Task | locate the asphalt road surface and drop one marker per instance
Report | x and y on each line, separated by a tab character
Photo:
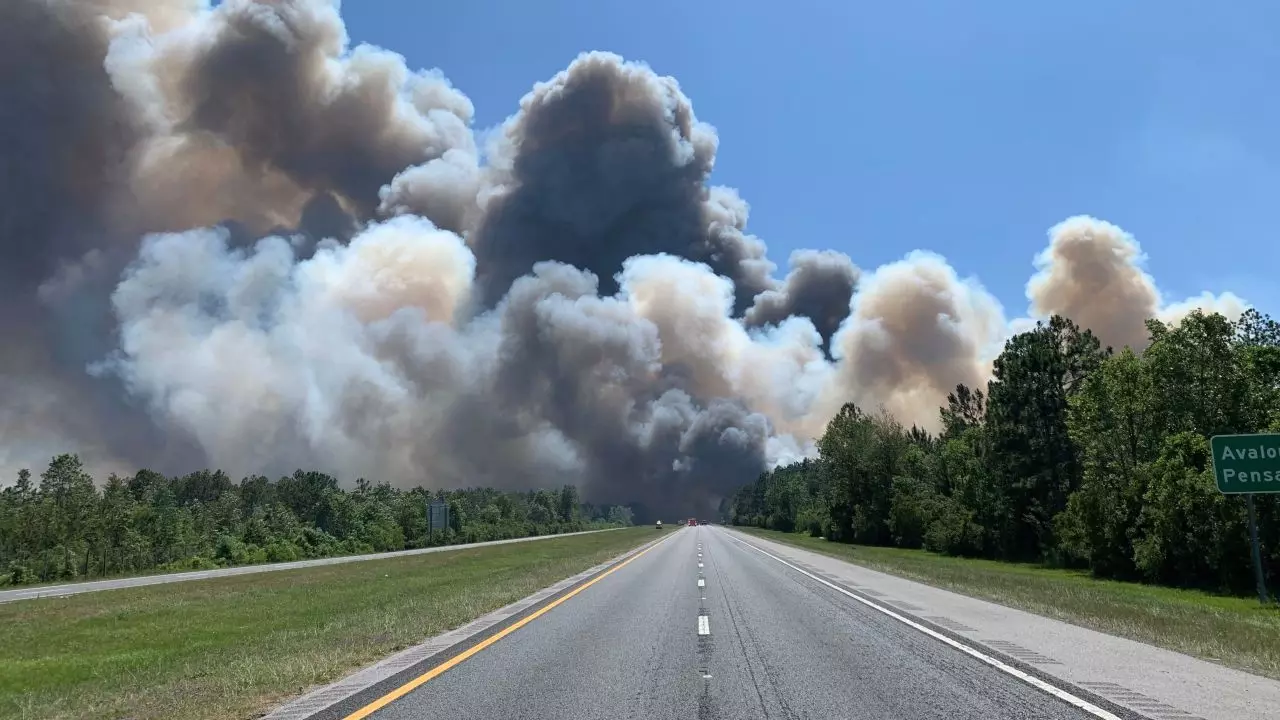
740	636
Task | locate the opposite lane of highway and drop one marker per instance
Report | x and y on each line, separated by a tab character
755	639
51	591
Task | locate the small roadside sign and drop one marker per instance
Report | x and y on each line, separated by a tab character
1246	463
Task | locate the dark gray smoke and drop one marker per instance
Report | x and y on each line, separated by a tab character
66	138
818	287
227	237
603	162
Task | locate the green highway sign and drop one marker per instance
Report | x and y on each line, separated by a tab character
1246	463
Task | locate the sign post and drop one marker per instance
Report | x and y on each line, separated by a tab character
1257	552
1247	465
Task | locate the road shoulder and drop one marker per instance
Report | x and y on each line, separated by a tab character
1145	680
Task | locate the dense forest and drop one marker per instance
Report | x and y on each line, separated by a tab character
1073	455
67	526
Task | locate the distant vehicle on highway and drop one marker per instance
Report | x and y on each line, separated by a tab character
702	522
659	526
693	522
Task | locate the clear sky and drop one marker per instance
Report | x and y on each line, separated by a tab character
967	128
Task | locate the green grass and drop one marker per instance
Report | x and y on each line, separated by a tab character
233	647
1233	631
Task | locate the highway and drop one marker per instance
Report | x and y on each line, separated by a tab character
63	590
701	625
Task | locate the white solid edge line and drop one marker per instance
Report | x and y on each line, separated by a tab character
704	625
997	664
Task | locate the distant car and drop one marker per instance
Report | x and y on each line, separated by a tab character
693	522
659	526
702	522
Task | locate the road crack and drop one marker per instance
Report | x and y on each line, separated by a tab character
751	646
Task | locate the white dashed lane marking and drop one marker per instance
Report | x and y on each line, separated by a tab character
704	623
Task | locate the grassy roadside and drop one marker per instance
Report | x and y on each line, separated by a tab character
231	647
1236	632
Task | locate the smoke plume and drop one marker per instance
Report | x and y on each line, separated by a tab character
818	287
231	238
603	162
1092	273
917	330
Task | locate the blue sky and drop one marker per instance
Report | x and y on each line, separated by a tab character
964	128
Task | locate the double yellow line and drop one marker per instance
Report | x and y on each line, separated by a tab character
440	669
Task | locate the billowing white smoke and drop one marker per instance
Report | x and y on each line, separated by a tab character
778	371
330	277
360	359
271	362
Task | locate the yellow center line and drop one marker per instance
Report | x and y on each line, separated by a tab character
438	670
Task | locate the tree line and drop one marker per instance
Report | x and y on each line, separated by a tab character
66	526
1073	455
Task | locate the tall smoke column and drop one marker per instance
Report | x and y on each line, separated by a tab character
1092	273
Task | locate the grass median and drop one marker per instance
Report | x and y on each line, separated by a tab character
1233	631
233	647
